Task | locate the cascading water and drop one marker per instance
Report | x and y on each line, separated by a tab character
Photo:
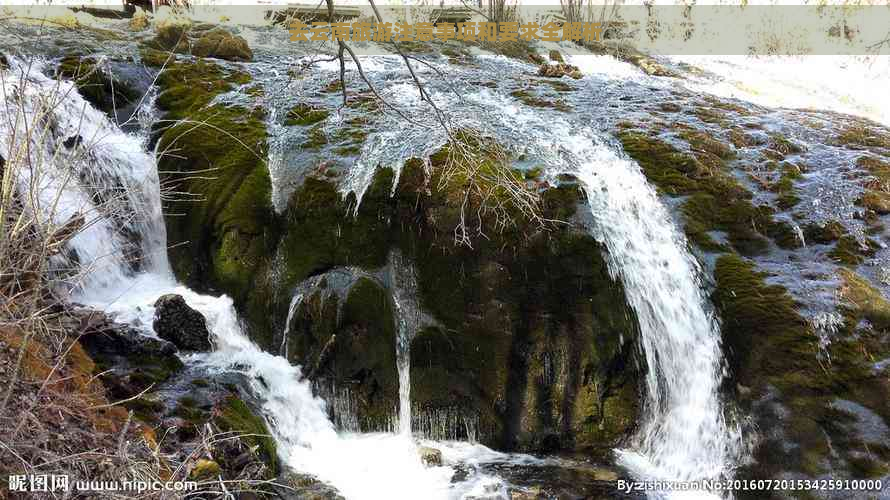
404	286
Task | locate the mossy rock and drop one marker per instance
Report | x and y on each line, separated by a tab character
221	44
351	345
829	232
718	202
862	134
863	300
527	97
877	201
773	351
850	251
304	114
172	36
233	415
475	364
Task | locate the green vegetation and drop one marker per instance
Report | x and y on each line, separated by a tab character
530	99
304	114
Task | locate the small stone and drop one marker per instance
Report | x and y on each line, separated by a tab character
556	56
430	457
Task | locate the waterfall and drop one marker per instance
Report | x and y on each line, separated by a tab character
684	435
404	288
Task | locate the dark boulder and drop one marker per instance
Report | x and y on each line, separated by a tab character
177	322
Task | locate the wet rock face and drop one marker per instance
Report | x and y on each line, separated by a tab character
533	340
527	348
180	324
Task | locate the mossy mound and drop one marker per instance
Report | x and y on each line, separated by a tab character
529	98
850	251
864	301
304	114
99	88
172	37
877	201
559	70
510	305
352	347
221	44
862	134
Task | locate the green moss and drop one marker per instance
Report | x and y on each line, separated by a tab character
753	311
153	370
863	135
709	115
864	301
155	58
145	409
771	348
221	44
558	85
221	225
529	99
187	411
705	143
784	147
877	201
304	114
848	250
235	416
333	86
520	49
672	171
879	169
172	36
741	139
784	187
316	138
727	106
826	233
